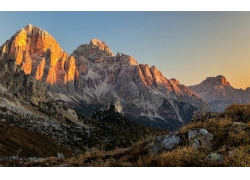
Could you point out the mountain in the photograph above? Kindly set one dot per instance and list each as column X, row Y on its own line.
column 39, row 54
column 142, row 92
column 91, row 77
column 218, row 92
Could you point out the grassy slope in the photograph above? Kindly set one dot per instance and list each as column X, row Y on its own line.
column 227, row 140
column 16, row 141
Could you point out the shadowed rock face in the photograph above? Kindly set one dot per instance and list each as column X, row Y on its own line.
column 98, row 77
column 218, row 92
column 21, row 85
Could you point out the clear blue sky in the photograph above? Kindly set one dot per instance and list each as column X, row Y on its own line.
column 188, row 46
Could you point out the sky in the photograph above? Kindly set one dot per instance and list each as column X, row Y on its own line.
column 186, row 45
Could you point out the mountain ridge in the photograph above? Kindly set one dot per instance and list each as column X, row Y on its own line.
column 218, row 92
column 92, row 76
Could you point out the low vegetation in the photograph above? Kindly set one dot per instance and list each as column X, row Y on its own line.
column 231, row 141
column 117, row 131
column 15, row 141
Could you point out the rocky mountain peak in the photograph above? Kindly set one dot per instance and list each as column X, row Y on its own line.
column 127, row 60
column 40, row 55
column 218, row 92
column 102, row 46
column 99, row 77
column 223, row 80
column 155, row 72
column 97, row 42
column 95, row 50
column 29, row 26
column 175, row 81
column 218, row 80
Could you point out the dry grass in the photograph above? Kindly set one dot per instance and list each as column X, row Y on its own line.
column 96, row 157
column 238, row 138
column 239, row 112
column 186, row 128
column 180, row 157
column 224, row 122
column 29, row 145
column 145, row 161
column 226, row 140
column 241, row 158
column 183, row 156
column 224, row 137
column 95, row 154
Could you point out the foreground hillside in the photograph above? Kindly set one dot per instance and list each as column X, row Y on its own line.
column 211, row 139
column 25, row 134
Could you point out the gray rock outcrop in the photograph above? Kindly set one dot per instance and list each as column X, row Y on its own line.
column 215, row 157
column 165, row 142
column 200, row 138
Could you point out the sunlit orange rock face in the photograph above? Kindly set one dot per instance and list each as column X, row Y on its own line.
column 39, row 54
column 100, row 77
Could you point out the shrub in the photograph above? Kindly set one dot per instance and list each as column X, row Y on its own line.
column 238, row 112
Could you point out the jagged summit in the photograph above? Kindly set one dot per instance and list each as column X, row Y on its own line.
column 175, row 80
column 97, row 42
column 94, row 50
column 141, row 90
column 218, row 80
column 29, row 26
column 94, row 76
column 101, row 46
column 40, row 55
column 218, row 92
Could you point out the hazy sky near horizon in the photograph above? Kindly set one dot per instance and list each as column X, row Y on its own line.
column 188, row 46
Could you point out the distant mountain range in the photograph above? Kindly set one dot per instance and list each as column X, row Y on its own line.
column 35, row 69
column 219, row 94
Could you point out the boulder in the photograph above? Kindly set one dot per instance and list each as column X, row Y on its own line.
column 200, row 138
column 215, row 157
column 164, row 142
column 238, row 126
column 232, row 152
column 60, row 156
column 3, row 120
column 171, row 140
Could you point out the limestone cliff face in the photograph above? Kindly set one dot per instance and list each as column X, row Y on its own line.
column 93, row 75
column 142, row 91
column 218, row 92
column 21, row 85
column 32, row 62
column 39, row 54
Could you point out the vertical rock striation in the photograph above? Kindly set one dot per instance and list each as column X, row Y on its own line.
column 93, row 75
column 39, row 54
